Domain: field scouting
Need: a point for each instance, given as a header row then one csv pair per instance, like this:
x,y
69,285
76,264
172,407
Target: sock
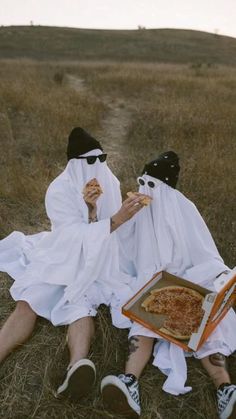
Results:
x,y
223,385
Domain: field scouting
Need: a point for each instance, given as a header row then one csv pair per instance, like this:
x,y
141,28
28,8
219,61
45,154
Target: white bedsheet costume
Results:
x,y
171,235
66,273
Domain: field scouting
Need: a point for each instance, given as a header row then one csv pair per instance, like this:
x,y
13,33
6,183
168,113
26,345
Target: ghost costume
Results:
x,y
171,235
66,273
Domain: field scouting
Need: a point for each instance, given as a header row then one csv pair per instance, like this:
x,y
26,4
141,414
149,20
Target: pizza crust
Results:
x,y
174,287
173,334
146,200
147,301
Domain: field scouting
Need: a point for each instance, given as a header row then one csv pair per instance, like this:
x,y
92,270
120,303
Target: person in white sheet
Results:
x,y
64,274
170,235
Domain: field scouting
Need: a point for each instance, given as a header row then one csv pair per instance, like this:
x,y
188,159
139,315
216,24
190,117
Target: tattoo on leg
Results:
x,y
218,359
133,345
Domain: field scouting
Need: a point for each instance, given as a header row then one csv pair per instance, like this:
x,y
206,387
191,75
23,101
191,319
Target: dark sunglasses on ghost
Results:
x,y
141,181
92,159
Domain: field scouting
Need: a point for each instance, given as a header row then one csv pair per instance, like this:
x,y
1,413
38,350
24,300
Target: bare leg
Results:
x,y
215,365
140,351
80,334
17,328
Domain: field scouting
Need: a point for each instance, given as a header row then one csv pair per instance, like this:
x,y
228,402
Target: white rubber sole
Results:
x,y
230,411
79,380
116,398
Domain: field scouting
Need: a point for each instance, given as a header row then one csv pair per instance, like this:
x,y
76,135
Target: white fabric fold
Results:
x,y
171,235
75,257
170,359
95,249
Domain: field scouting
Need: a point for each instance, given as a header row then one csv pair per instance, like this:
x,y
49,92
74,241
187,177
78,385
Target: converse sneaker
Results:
x,y
226,397
78,380
121,395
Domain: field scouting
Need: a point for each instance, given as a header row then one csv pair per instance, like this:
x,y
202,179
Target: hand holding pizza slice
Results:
x,y
91,192
145,200
92,186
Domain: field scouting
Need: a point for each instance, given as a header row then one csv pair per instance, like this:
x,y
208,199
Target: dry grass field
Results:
x,y
137,111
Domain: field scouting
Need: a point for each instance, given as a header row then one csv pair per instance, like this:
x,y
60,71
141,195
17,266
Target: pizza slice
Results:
x,y
146,200
92,186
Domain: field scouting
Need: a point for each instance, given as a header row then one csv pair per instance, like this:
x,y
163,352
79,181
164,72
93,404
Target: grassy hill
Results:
x,y
152,45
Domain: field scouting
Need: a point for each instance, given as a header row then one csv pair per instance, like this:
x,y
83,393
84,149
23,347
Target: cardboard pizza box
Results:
x,y
215,306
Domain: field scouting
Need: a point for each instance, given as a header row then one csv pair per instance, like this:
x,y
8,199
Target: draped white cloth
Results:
x,y
171,235
66,273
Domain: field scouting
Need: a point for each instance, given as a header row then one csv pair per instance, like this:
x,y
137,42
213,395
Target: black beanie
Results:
x,y
165,167
80,142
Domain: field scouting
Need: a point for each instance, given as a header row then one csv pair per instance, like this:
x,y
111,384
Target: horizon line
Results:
x,y
138,28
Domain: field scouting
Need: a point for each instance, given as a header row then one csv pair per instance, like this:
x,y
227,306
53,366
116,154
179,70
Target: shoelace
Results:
x,y
224,396
127,379
132,385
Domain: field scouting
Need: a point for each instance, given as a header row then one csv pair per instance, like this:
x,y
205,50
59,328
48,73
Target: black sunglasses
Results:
x,y
92,159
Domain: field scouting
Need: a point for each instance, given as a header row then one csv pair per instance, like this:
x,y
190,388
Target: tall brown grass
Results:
x,y
187,109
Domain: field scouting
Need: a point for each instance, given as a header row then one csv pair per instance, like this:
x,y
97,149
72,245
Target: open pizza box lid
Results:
x,y
215,306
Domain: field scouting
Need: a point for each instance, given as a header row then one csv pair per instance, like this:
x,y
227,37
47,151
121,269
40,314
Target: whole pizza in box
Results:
x,y
182,307
180,311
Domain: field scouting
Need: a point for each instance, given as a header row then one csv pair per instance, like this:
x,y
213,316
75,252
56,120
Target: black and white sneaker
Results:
x,y
226,397
121,395
78,380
